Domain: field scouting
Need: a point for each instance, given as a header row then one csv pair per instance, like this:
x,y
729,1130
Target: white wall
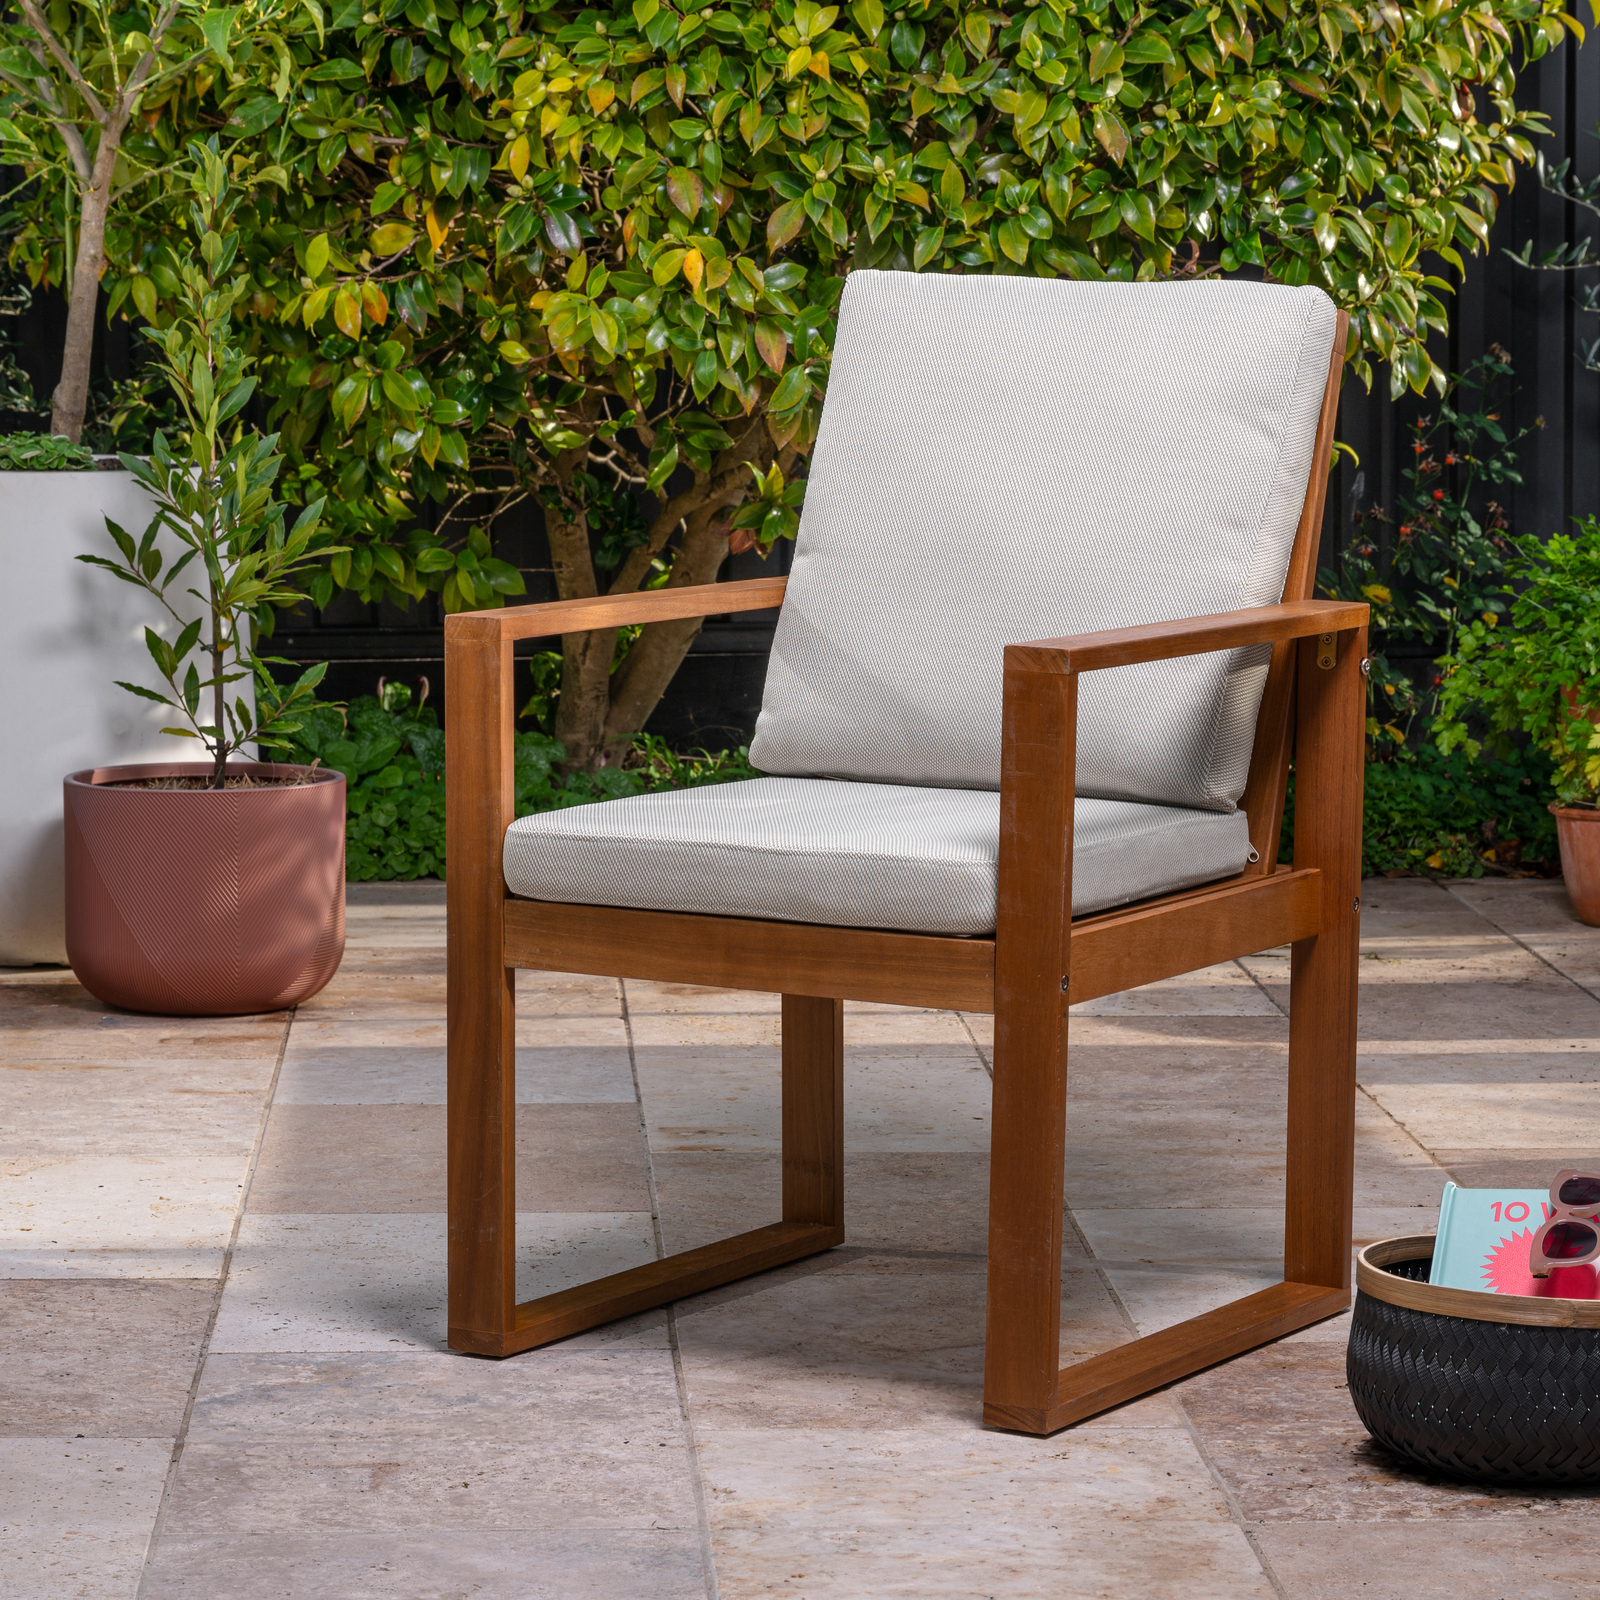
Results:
x,y
68,631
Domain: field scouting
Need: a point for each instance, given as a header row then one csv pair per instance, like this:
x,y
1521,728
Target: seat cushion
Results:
x,y
1007,458
856,855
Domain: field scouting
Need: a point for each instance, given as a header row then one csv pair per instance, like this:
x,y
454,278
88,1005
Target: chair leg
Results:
x,y
813,1110
1320,1174
1022,1339
482,1159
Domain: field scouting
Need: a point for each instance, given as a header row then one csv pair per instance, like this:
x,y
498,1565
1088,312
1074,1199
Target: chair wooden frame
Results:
x,y
1038,960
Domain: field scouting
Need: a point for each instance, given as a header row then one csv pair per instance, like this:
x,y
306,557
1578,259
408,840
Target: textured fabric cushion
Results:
x,y
856,855
1004,459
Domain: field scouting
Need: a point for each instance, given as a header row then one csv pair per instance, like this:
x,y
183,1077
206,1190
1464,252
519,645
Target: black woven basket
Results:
x,y
1514,1400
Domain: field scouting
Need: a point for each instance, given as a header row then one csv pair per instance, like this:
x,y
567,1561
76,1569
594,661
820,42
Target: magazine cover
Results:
x,y
1483,1241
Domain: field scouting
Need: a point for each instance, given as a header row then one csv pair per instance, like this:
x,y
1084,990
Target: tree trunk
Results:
x,y
71,397
640,682
580,718
658,652
580,721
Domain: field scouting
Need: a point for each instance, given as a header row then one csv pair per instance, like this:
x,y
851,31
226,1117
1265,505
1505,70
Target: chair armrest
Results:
x,y
617,610
1161,641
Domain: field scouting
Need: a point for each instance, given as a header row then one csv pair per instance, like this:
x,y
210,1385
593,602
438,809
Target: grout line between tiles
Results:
x,y
1234,1509
143,1593
988,1065
1506,933
708,1564
1272,999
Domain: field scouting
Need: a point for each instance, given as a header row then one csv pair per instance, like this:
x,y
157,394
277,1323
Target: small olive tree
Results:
x,y
214,493
590,255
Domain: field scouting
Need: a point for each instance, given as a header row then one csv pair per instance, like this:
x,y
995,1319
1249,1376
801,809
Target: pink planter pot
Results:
x,y
203,903
1578,832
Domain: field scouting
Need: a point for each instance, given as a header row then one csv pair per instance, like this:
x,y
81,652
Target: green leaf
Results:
x,y
215,26
144,296
793,391
784,224
1012,240
771,344
686,191
663,461
390,239
317,256
869,14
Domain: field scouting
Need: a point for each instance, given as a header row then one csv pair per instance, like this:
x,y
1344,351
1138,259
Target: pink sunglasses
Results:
x,y
1567,1240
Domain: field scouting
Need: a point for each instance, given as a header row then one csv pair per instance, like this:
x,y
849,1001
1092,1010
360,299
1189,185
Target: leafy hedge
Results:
x,y
1433,815
392,755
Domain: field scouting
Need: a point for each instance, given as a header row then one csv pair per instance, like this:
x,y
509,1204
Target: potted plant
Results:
x,y
1539,674
215,887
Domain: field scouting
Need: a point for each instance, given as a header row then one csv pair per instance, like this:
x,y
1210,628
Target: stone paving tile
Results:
x,y
1065,1558
935,1201
862,1339
64,1022
905,1098
178,1107
76,1515
1340,1561
390,1159
548,1564
887,1479
135,1216
1193,1236
105,1358
1515,1168
354,1071
1540,917
364,1282
614,1396
376,1443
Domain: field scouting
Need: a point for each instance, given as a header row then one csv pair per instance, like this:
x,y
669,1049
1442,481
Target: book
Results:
x,y
1483,1241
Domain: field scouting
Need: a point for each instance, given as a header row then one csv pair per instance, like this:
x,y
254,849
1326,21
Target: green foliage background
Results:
x,y
502,250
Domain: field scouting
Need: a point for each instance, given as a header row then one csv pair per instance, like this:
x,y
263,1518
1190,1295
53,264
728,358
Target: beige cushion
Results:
x,y
1008,458
858,855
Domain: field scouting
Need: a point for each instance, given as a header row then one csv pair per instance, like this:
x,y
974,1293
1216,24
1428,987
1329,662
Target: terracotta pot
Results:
x,y
204,903
1578,832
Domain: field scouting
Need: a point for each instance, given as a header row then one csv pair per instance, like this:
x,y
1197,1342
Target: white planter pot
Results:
x,y
70,631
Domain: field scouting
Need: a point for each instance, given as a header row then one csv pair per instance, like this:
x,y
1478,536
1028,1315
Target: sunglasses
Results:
x,y
1567,1240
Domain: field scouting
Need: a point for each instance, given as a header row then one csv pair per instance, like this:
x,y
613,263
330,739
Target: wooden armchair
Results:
x,y
716,886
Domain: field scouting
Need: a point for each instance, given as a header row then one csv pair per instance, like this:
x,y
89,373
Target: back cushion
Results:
x,y
1004,459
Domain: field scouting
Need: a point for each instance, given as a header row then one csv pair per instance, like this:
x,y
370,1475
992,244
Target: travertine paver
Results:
x,y
222,1373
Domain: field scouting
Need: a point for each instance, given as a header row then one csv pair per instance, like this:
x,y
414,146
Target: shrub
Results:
x,y
569,252
392,755
1429,814
1438,561
1540,674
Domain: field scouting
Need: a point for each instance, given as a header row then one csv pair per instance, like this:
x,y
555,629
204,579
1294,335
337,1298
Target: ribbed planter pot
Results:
x,y
199,902
1578,833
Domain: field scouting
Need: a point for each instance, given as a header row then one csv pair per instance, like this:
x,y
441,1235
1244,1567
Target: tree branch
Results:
x,y
36,21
